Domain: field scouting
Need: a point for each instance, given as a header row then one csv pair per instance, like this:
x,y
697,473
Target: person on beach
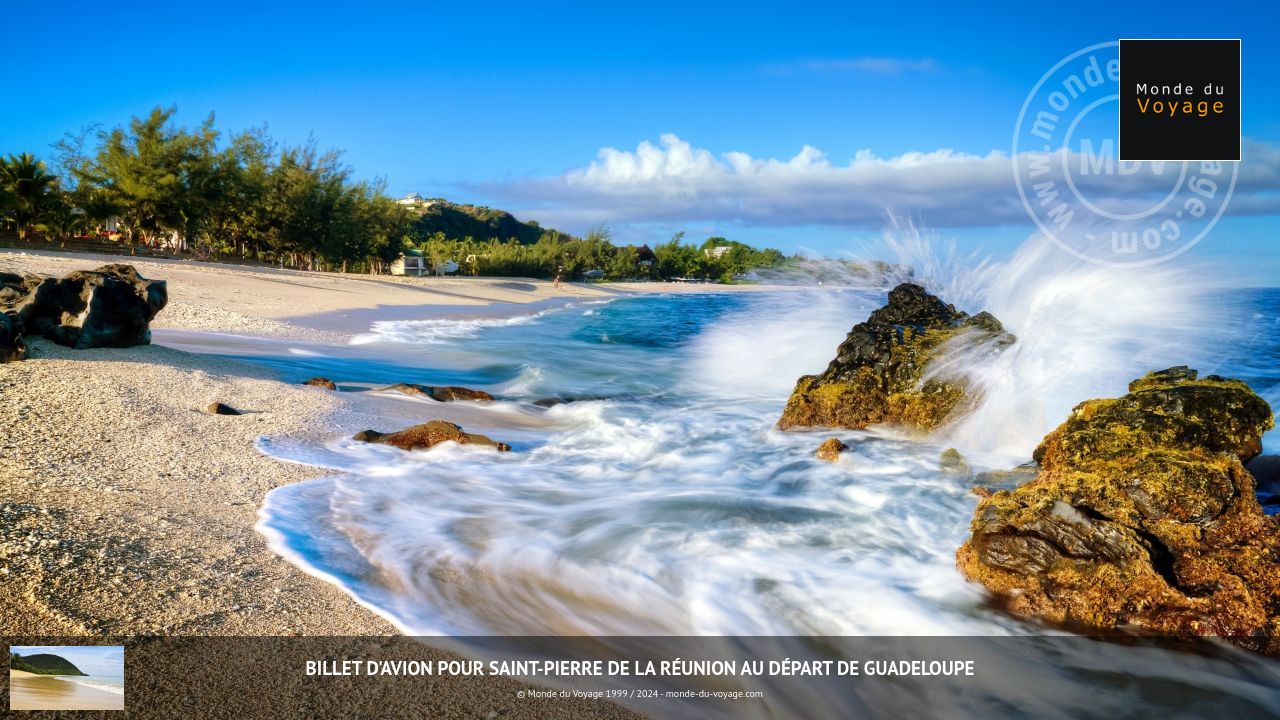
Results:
x,y
559,277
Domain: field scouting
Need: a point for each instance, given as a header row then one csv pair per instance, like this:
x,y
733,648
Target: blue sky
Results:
x,y
91,659
499,102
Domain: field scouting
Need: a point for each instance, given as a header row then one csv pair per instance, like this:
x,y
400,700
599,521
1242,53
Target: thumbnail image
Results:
x,y
70,677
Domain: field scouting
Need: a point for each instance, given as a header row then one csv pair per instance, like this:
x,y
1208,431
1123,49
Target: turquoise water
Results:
x,y
662,501
110,683
665,502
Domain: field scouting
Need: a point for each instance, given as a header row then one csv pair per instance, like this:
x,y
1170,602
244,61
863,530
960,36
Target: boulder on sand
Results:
x,y
878,374
322,382
429,434
1142,517
109,307
218,408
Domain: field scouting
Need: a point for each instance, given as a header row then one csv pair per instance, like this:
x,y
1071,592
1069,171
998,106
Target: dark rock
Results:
x,y
13,346
878,373
553,401
441,393
1142,516
323,382
220,409
109,307
427,435
15,287
830,449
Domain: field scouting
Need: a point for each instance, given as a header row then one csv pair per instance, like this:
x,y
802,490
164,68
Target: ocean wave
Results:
x,y
437,331
110,686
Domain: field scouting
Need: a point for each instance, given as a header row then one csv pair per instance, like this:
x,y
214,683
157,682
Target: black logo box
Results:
x,y
1185,67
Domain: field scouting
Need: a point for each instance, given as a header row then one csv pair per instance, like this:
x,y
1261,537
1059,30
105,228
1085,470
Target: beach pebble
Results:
x,y
221,409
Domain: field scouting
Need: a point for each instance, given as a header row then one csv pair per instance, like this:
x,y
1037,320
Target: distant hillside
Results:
x,y
43,664
477,221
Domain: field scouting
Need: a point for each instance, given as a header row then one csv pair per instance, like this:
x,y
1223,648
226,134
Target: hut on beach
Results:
x,y
410,262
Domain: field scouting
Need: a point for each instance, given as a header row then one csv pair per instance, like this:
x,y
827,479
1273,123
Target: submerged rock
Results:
x,y
109,307
441,393
1142,516
427,435
878,374
830,449
952,462
13,346
554,401
323,382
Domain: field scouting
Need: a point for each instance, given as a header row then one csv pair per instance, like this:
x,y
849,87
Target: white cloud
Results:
x,y
673,181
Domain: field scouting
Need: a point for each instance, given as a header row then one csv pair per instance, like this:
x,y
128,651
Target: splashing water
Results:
x,y
665,502
1084,331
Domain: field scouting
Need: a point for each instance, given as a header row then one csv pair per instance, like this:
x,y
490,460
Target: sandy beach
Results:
x,y
127,510
262,301
28,691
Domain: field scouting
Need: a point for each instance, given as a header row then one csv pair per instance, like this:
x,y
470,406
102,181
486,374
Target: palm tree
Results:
x,y
7,201
29,186
99,206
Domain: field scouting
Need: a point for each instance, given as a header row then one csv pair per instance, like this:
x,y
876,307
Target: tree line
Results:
x,y
243,195
555,253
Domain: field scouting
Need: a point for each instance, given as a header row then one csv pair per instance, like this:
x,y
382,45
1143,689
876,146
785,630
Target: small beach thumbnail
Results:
x,y
66,677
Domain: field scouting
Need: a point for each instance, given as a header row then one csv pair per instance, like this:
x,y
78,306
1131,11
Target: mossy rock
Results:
x,y
1142,517
878,374
427,435
830,449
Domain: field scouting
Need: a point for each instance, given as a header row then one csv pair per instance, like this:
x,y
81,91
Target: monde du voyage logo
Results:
x,y
1126,152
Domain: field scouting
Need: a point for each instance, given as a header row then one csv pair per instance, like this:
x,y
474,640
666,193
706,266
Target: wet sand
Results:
x,y
28,691
126,510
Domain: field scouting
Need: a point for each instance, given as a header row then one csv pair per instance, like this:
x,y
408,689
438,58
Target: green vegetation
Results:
x,y
213,195
43,664
477,221
555,253
205,193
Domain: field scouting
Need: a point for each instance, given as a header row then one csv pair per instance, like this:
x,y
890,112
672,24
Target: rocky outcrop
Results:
x,y
1142,517
109,307
441,393
830,449
13,346
429,434
878,374
321,382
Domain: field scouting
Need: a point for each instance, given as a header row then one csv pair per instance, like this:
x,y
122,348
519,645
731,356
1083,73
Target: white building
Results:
x,y
414,200
410,263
